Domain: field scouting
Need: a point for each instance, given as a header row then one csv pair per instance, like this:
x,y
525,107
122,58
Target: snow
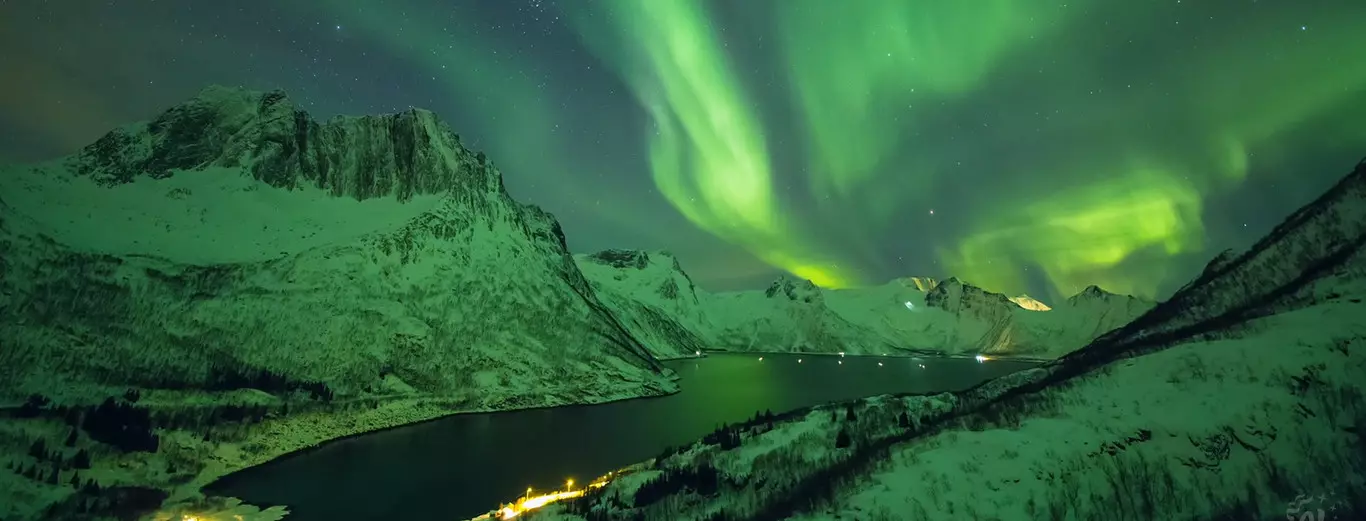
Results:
x,y
200,217
893,318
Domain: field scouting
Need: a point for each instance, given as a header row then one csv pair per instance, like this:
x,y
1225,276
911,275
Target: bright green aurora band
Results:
x,y
871,78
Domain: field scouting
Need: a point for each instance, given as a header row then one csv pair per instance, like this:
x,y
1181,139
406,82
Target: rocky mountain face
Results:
x,y
442,287
272,140
652,297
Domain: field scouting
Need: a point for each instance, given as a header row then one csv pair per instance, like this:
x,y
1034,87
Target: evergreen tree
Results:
x,y
842,439
71,438
81,460
38,450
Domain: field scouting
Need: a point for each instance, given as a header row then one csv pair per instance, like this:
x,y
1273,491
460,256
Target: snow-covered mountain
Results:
x,y
235,250
1238,398
790,315
652,296
906,314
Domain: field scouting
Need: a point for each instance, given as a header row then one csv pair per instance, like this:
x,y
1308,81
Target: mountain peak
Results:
x,y
794,289
1030,303
620,258
266,136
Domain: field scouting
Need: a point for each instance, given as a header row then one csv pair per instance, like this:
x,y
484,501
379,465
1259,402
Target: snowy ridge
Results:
x,y
652,296
196,258
910,314
1239,407
790,315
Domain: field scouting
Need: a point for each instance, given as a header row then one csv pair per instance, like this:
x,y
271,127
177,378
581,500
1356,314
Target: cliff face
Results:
x,y
234,236
273,141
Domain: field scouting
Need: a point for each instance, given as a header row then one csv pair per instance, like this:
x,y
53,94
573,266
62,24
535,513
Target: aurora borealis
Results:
x,y
1024,146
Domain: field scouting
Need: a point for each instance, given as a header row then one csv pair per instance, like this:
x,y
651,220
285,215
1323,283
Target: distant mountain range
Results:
x,y
657,300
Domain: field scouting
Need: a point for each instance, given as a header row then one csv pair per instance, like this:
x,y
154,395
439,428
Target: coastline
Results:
x,y
200,488
890,354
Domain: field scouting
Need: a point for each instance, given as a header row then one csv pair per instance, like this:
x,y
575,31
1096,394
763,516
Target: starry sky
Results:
x,y
1022,145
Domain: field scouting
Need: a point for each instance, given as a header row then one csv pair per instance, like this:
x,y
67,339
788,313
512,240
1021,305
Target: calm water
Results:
x,y
461,466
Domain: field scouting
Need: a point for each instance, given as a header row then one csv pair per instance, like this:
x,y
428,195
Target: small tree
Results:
x,y
904,420
81,460
71,438
842,439
38,450
849,412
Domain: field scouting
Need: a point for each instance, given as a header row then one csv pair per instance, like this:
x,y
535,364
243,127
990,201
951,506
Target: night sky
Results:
x,y
1021,145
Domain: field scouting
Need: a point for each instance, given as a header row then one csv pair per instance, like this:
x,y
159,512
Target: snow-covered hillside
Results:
x,y
652,296
1238,398
322,279
911,314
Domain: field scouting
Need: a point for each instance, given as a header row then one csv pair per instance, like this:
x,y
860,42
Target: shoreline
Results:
x,y
202,487
218,477
902,354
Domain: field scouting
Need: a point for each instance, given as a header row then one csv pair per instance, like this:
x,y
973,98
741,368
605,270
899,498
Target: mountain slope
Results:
x,y
1238,398
652,296
790,315
234,252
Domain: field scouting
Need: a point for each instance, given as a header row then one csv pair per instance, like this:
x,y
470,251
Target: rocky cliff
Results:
x,y
235,252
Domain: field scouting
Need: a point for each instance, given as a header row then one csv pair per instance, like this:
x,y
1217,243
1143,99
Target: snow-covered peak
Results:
x,y
794,289
954,295
922,284
1030,303
269,138
621,258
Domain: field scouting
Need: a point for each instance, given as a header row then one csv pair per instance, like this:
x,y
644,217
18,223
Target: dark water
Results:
x,y
461,466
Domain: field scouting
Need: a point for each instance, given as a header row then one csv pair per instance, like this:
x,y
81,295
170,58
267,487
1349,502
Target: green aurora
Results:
x,y
1021,145
870,77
